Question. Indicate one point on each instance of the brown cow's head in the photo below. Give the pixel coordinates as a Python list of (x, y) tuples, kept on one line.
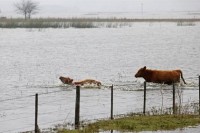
[(140, 72), (66, 80)]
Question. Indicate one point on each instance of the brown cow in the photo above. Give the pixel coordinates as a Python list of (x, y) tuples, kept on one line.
[(160, 76), (88, 81), (66, 80)]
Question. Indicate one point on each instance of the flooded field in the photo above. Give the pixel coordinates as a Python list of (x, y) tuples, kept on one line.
[(33, 59)]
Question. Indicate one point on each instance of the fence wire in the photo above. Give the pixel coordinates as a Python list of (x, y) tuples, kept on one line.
[(94, 105)]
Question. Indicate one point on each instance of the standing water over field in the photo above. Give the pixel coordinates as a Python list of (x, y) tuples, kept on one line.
[(33, 59)]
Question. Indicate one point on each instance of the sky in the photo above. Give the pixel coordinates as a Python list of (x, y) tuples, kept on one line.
[(64, 8)]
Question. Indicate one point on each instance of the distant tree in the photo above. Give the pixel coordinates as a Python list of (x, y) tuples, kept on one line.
[(27, 8), (32, 8)]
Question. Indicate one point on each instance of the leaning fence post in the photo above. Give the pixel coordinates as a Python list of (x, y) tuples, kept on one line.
[(144, 107), (36, 114), (77, 107), (111, 114), (199, 95), (174, 108)]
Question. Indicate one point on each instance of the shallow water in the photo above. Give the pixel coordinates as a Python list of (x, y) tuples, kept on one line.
[(33, 59)]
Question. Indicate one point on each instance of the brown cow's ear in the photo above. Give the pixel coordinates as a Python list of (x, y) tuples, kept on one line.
[(144, 67)]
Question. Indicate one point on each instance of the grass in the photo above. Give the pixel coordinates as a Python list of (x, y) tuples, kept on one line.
[(83, 22), (154, 120), (140, 123)]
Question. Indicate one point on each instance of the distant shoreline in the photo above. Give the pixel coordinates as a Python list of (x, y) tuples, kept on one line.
[(87, 22), (111, 19)]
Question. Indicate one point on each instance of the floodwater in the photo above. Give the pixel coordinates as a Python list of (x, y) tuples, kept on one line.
[(33, 59)]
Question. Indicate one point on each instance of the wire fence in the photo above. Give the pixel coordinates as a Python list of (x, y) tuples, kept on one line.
[(57, 108)]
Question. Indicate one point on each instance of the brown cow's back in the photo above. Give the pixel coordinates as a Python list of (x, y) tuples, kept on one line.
[(167, 77)]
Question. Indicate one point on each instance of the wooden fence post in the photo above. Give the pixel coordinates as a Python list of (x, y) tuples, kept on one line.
[(111, 114), (36, 114), (144, 107), (174, 104), (199, 95), (77, 107)]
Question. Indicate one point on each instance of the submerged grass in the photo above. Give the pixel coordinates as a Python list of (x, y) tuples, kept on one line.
[(140, 123), (82, 22)]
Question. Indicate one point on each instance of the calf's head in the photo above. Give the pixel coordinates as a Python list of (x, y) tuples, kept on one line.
[(66, 80), (140, 72)]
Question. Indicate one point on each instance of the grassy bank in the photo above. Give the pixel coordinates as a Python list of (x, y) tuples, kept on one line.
[(140, 123), (83, 22)]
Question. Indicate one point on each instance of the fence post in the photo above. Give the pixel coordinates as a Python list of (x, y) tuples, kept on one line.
[(111, 114), (199, 95), (77, 107), (144, 107), (174, 108), (36, 114)]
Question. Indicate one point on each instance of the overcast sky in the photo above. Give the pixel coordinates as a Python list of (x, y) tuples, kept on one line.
[(54, 8)]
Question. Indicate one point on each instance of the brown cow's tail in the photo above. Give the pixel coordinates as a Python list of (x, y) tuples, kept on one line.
[(182, 77)]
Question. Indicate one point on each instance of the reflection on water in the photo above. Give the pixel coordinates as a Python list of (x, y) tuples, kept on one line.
[(32, 61)]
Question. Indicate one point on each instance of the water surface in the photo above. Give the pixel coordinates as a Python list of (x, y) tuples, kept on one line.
[(33, 59)]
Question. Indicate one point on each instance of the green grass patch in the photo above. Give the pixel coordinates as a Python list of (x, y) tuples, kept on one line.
[(140, 123)]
